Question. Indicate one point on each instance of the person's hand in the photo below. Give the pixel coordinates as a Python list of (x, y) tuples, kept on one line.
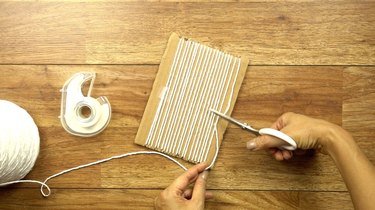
[(179, 196), (309, 133)]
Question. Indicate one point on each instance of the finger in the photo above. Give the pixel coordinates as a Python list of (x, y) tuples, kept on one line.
[(264, 142), (189, 192), (291, 154), (286, 154), (199, 190), (282, 121), (278, 156), (180, 184), (278, 124)]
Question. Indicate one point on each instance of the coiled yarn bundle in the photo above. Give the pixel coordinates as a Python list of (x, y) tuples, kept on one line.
[(19, 142)]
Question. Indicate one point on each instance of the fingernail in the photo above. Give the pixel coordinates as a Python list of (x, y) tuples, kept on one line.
[(204, 175), (251, 145)]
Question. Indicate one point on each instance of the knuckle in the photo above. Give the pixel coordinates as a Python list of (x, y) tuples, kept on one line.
[(261, 141), (189, 173), (286, 117), (163, 195), (288, 114)]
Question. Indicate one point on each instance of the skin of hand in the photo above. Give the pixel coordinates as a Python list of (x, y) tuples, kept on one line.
[(179, 196), (309, 133)]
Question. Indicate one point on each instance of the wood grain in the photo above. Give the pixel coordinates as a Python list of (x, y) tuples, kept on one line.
[(358, 106), (266, 93), (272, 33), (143, 199), (312, 57)]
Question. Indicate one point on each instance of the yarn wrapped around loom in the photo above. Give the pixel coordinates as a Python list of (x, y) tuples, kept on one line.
[(19, 142)]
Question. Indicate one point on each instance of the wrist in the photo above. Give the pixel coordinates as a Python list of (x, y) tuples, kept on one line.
[(336, 139)]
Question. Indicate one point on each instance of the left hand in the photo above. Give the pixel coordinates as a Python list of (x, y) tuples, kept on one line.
[(178, 196)]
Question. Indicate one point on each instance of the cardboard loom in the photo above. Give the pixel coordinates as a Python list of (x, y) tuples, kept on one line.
[(160, 83)]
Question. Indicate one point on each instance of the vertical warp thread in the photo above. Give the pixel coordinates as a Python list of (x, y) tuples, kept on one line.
[(199, 80), (22, 159)]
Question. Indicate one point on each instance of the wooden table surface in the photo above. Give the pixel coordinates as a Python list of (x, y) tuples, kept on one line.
[(311, 57)]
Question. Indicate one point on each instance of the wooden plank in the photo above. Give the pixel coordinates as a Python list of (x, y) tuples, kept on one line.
[(144, 199), (236, 168), (267, 92), (183, 1), (127, 88), (325, 200), (358, 107), (282, 33)]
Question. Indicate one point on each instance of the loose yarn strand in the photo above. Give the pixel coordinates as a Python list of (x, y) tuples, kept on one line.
[(205, 88), (209, 122), (217, 117), (229, 101), (198, 71), (45, 185), (221, 81), (203, 104)]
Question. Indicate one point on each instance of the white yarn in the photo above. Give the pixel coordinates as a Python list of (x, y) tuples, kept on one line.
[(44, 183), (19, 148), (19, 142), (200, 78)]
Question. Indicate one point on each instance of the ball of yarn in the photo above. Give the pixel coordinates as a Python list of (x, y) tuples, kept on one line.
[(19, 142)]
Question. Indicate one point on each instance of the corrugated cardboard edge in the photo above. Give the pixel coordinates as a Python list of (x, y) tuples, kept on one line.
[(159, 84)]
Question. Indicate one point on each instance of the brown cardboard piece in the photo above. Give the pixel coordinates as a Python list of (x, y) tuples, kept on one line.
[(160, 83)]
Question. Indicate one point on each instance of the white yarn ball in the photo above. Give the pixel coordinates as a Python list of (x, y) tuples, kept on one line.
[(19, 142)]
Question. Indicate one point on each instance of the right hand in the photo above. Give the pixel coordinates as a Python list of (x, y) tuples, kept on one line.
[(309, 133)]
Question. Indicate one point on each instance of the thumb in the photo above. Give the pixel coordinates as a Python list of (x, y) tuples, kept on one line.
[(199, 190), (264, 142)]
